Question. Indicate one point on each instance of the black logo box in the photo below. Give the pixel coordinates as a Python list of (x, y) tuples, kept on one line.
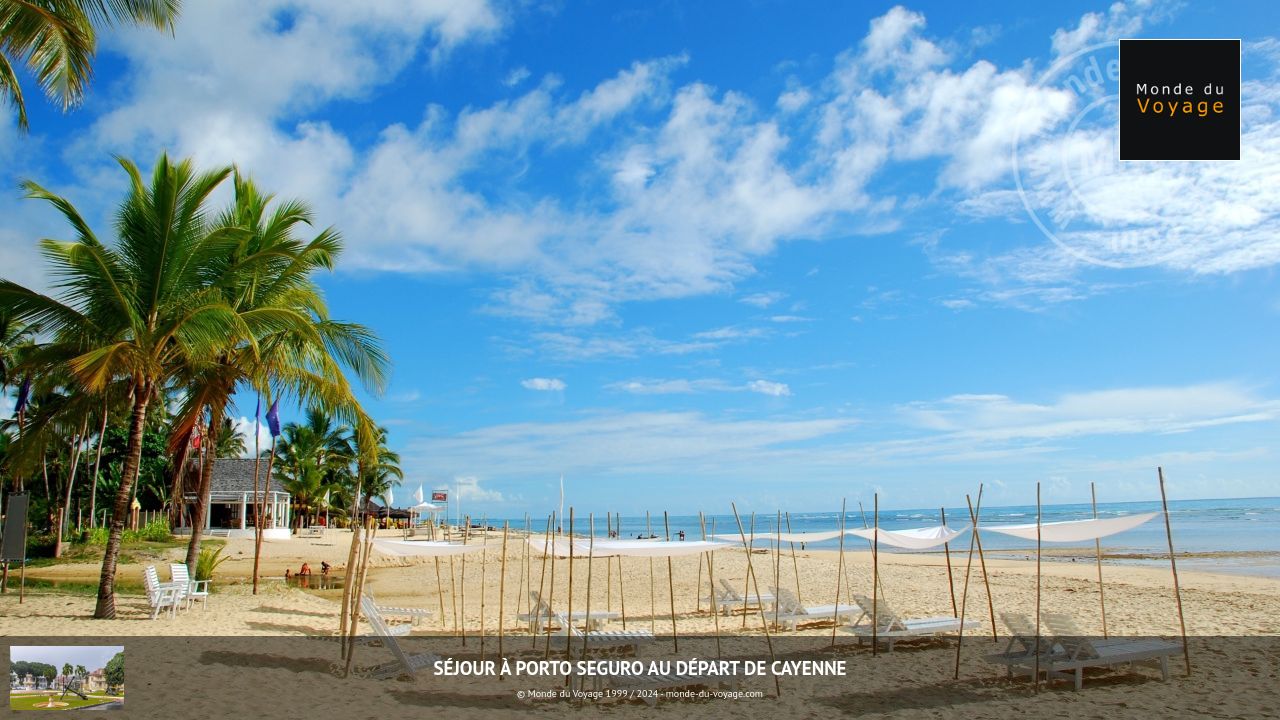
[(1158, 78)]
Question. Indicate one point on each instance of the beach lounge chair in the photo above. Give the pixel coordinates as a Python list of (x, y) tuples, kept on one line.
[(729, 599), (191, 590), (542, 615), (1021, 649), (790, 613), (1080, 652), (161, 596), (415, 615), (404, 663), (600, 639), (890, 627)]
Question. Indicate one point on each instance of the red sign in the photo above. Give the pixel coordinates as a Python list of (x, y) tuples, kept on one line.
[(439, 497)]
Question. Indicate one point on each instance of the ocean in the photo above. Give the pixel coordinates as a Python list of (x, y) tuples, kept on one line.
[(1237, 535)]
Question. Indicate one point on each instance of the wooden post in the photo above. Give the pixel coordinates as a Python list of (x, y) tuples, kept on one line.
[(608, 563), (462, 580), (795, 565), (1173, 564), (975, 515), (875, 574), (591, 555), (1097, 548), (1037, 648), (542, 580), (711, 582), (839, 568), (484, 565), (568, 646), (964, 595), (777, 685), (502, 588), (751, 576), (653, 603), (671, 586), (777, 564), (946, 549)]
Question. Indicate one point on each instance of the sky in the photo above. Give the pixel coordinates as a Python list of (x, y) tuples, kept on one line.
[(93, 657), (776, 253)]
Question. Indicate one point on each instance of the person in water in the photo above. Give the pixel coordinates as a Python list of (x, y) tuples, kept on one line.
[(305, 569)]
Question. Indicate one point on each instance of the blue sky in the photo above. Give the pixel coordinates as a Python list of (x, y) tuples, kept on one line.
[(771, 252)]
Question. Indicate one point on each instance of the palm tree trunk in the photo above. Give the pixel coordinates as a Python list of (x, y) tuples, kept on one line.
[(97, 465), (201, 509), (106, 608), (71, 482)]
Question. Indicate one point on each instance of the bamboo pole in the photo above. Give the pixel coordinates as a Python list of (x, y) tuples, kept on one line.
[(1038, 521), (355, 594), (1173, 564), (542, 580), (1097, 549), (777, 564), (440, 591), (875, 575), (795, 564), (879, 584), (751, 576), (453, 595), (671, 587), (484, 565), (591, 553), (711, 582), (568, 646), (777, 684), (653, 604), (974, 518), (844, 506), (462, 580), (964, 595), (502, 588), (946, 549), (608, 563), (698, 582), (551, 590)]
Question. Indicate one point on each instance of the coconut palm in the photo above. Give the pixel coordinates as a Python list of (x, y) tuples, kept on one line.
[(57, 39), (295, 350), (138, 310), (313, 460)]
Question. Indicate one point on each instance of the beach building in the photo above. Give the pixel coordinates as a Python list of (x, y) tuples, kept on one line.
[(231, 503)]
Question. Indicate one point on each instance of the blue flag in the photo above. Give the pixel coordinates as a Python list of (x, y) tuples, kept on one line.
[(24, 394), (273, 418)]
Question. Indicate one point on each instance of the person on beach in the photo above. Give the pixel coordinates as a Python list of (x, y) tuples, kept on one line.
[(324, 568), (681, 536), (287, 575)]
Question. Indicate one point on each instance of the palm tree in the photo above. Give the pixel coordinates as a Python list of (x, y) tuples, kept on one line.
[(294, 349), (313, 460), (230, 442), (57, 39), (138, 310)]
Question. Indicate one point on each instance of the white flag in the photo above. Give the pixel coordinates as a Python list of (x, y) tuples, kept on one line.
[(389, 497), (417, 496), (326, 498)]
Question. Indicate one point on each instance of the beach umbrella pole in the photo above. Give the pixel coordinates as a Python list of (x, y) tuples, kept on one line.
[(1173, 565)]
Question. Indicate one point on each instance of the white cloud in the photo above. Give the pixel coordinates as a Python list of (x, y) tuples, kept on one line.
[(516, 76), (762, 299), (543, 384), (467, 487), (244, 428), (766, 387), (1122, 19)]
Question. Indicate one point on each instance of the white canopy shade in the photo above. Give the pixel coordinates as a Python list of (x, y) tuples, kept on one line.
[(427, 507), (629, 548), (800, 537), (912, 539), (418, 548), (1073, 530)]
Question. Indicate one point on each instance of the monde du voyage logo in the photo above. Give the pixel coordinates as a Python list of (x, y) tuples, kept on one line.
[(1179, 99)]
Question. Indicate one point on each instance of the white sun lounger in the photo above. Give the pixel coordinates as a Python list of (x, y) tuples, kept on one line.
[(1023, 643), (890, 627), (415, 615), (404, 664), (542, 615), (1080, 652), (600, 639), (160, 596), (791, 613), (729, 599)]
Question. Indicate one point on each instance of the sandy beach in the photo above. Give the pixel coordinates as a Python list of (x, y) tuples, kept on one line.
[(1232, 620)]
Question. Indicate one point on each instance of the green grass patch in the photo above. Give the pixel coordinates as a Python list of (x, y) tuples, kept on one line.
[(29, 702)]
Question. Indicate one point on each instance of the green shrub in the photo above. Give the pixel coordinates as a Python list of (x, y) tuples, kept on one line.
[(96, 536), (208, 561), (155, 531)]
